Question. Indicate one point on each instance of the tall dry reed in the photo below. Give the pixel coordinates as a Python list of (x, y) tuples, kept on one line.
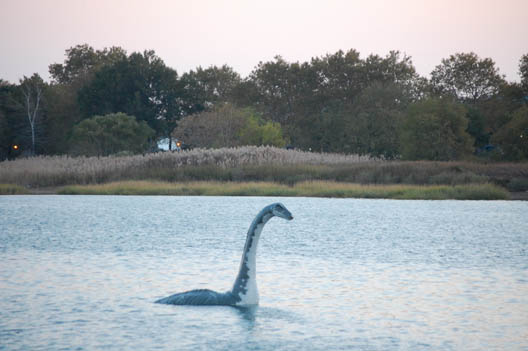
[(252, 163), (60, 170)]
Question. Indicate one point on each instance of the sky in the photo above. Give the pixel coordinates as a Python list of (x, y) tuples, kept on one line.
[(241, 33)]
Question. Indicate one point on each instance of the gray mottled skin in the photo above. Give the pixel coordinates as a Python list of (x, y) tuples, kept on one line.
[(241, 285)]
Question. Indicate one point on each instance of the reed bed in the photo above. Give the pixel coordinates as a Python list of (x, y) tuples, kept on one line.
[(309, 189), (255, 164), (47, 171)]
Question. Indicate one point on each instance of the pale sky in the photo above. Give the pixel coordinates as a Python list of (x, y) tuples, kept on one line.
[(240, 33)]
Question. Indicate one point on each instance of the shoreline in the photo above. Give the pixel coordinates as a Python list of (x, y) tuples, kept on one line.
[(327, 189)]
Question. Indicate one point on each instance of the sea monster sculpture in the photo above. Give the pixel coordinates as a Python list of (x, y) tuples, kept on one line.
[(244, 292)]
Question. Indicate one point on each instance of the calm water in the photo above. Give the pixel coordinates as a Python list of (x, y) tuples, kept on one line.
[(81, 273)]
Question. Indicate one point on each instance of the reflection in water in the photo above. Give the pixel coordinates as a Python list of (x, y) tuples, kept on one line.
[(248, 313)]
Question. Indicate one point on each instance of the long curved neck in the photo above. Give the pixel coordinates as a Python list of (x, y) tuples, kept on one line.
[(245, 286)]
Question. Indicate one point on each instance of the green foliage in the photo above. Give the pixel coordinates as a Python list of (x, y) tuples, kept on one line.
[(376, 116), (61, 98), (62, 115), (477, 127), (498, 109), (257, 132), (82, 61), (467, 77), (523, 72), (110, 134), (228, 126), (205, 88), (339, 102), (139, 85), (435, 129), (512, 138), (311, 100), (328, 130)]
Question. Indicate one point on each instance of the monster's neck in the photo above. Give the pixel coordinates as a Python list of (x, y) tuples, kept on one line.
[(245, 286)]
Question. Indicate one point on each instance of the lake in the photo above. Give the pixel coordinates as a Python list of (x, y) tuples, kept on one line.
[(83, 272)]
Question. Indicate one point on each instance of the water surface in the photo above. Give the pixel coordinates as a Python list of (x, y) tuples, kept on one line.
[(82, 272)]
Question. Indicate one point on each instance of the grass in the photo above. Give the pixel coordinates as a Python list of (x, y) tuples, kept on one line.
[(11, 189), (254, 170), (255, 164), (308, 188)]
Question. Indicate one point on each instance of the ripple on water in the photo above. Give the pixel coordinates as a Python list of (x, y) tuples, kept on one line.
[(83, 272)]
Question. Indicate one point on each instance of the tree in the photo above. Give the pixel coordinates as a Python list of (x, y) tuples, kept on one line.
[(523, 72), (394, 68), (12, 121), (228, 126), (340, 76), (110, 134), (256, 131), (67, 79), (467, 77), (512, 138), (82, 61), (62, 115), (205, 88), (139, 85), (498, 110), (211, 129), (276, 87), (374, 119), (311, 100), (327, 130), (435, 129), (32, 88)]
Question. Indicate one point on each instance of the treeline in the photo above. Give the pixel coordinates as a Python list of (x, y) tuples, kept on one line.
[(102, 102)]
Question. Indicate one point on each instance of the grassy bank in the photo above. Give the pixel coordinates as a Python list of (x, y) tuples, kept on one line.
[(11, 189), (309, 188), (256, 164)]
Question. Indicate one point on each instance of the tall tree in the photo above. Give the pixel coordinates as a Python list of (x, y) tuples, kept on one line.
[(82, 61), (32, 89), (140, 85), (467, 77), (284, 93), (67, 78), (205, 88), (394, 68), (340, 76), (523, 72), (275, 86)]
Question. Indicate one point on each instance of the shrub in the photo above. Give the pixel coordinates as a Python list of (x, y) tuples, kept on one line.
[(228, 126), (110, 134)]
